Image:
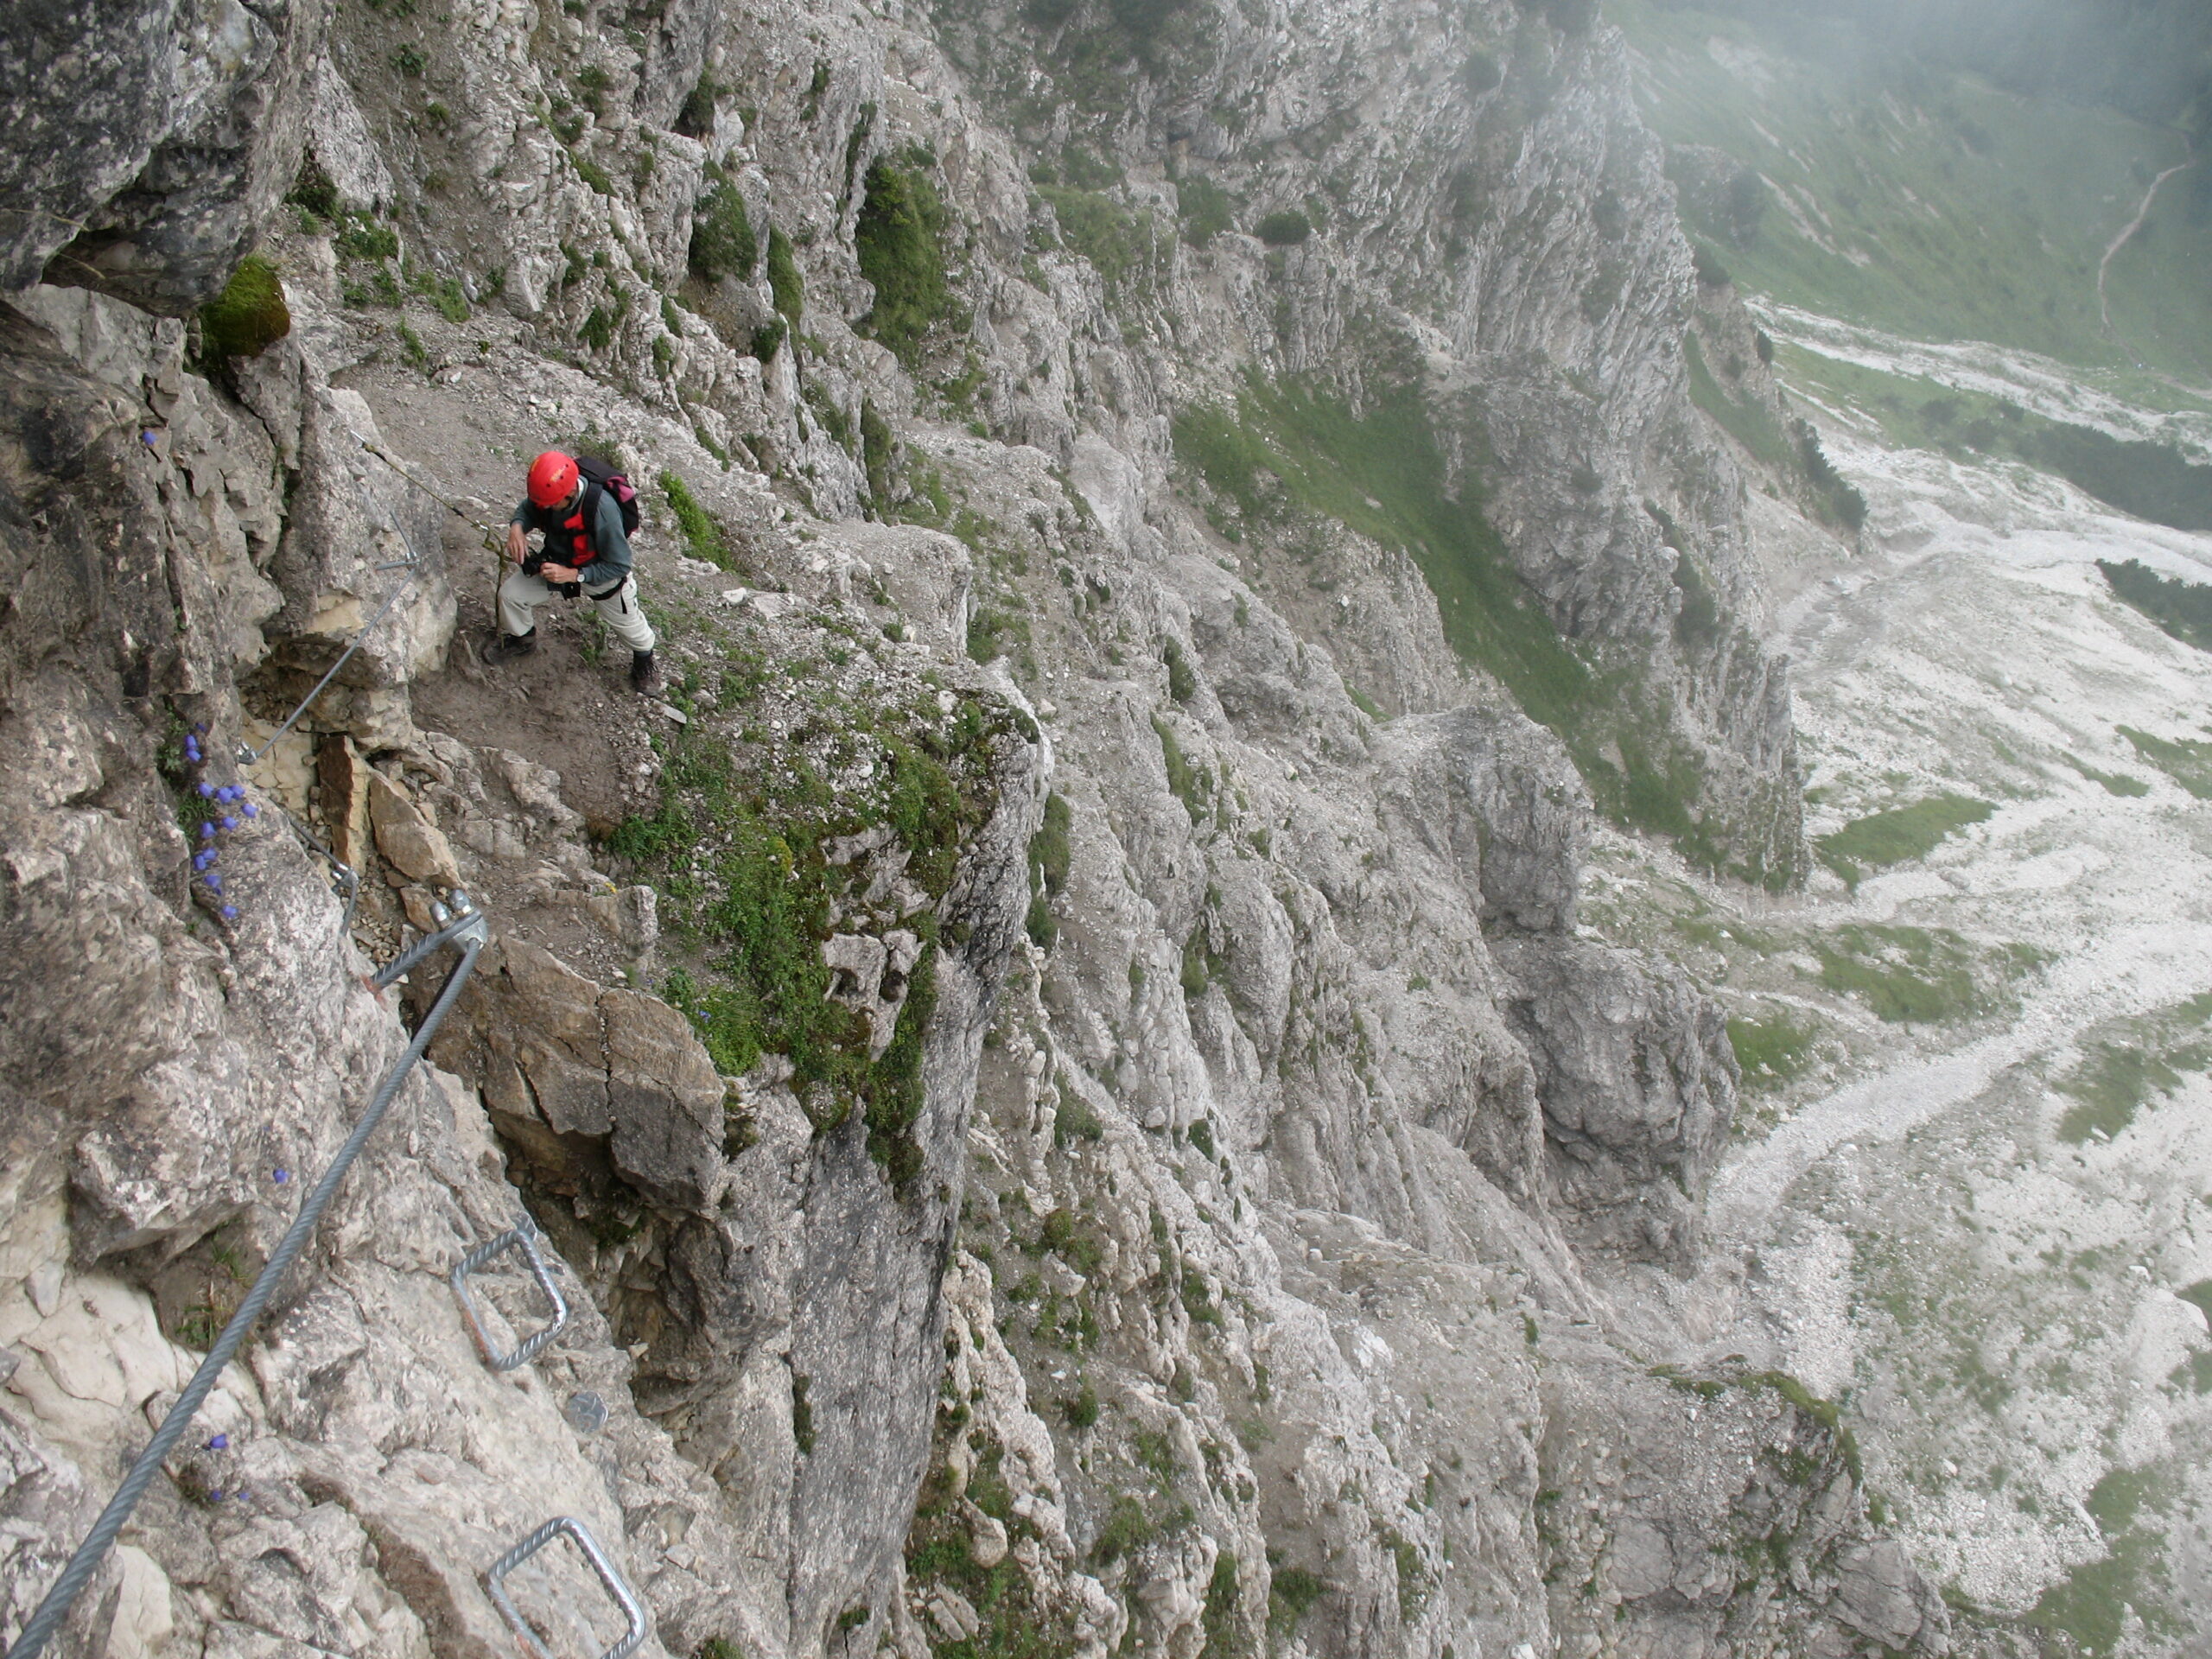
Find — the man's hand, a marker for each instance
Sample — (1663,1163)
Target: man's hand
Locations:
(554,574)
(518,547)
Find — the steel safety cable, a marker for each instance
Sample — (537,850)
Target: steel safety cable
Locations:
(469,933)
(248,757)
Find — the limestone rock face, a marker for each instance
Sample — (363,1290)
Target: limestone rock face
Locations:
(1638,1084)
(154,138)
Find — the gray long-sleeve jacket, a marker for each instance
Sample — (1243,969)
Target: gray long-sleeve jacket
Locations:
(612,561)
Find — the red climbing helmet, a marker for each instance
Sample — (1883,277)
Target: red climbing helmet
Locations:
(552,478)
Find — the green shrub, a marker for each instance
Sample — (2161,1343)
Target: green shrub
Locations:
(1291,1592)
(1751,422)
(1050,852)
(409,60)
(598,330)
(1119,244)
(1127,1529)
(802,1416)
(1480,72)
(783,280)
(1195,979)
(593,174)
(1182,681)
(899,240)
(248,316)
(1204,209)
(2151,480)
(1081,1409)
(879,449)
(1710,272)
(722,243)
(767,340)
(696,118)
(1185,782)
(1073,1120)
(1286,228)
(312,190)
(1224,1639)
(364,239)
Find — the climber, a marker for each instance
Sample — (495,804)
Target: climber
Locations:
(586,553)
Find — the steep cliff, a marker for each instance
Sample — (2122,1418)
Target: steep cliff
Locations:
(1059,1062)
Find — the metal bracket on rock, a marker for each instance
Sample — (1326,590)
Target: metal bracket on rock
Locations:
(495,1577)
(523,1238)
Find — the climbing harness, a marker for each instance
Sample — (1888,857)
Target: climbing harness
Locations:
(523,1238)
(467,932)
(495,1581)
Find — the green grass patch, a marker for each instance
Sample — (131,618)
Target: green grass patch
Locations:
(1205,210)
(2188,761)
(1292,1592)
(1188,782)
(1772,1049)
(2149,480)
(2182,609)
(1751,422)
(785,283)
(1914,976)
(899,239)
(1898,835)
(2150,1057)
(2091,1604)
(1793,449)
(1015,1624)
(2114,783)
(1123,247)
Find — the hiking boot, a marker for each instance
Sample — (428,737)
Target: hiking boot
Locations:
(644,676)
(509,646)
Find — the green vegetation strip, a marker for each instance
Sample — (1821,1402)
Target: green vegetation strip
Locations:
(1898,835)
(1914,976)
(2188,761)
(1287,448)
(2183,609)
(899,239)
(2117,1078)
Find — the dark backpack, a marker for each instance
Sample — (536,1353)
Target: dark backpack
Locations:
(602,473)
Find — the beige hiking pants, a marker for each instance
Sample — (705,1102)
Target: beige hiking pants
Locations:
(520,595)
